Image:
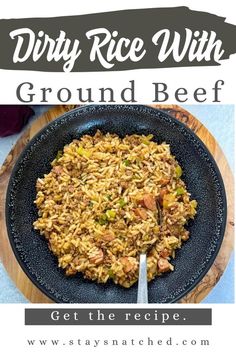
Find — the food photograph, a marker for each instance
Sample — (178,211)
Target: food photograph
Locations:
(116,204)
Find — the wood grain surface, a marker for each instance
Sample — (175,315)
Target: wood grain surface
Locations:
(23,283)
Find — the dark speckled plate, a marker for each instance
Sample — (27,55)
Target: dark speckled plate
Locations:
(201,175)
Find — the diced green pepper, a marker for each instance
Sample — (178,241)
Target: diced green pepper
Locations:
(83,152)
(180,191)
(111,214)
(178,171)
(193,206)
(193,203)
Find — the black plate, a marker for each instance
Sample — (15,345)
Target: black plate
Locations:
(201,175)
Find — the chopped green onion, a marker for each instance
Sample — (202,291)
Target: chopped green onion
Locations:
(102,219)
(146,139)
(149,136)
(59,154)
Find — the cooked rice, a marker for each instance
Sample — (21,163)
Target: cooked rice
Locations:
(106,200)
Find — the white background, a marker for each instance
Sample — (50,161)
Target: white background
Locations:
(13,334)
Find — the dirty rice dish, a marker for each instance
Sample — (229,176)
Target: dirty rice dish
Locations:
(108,199)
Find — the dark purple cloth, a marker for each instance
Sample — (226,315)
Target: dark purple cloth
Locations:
(13,118)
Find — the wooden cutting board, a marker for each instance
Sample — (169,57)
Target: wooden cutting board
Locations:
(211,278)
